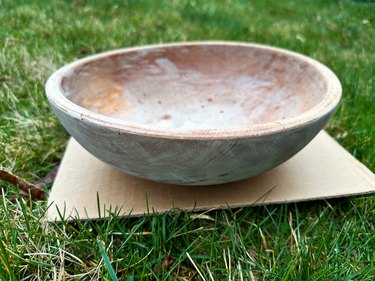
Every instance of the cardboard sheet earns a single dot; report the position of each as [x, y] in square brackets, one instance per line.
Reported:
[323, 169]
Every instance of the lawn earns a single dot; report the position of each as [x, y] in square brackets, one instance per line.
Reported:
[322, 240]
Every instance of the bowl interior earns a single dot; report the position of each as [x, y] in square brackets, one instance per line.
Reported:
[196, 86]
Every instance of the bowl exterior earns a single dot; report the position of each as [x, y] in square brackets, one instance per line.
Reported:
[189, 161]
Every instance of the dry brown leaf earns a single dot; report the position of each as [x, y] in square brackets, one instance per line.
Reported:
[166, 263]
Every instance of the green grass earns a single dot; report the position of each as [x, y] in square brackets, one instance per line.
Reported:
[325, 240]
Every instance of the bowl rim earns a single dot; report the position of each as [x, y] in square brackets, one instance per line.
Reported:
[327, 105]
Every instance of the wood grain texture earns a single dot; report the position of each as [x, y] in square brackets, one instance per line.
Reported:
[187, 161]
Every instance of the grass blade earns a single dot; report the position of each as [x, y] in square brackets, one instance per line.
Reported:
[107, 263]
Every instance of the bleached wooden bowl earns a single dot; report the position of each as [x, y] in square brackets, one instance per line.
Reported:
[194, 113]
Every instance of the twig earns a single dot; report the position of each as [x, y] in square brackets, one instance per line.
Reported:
[49, 178]
[29, 188]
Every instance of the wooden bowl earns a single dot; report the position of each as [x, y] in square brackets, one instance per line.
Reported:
[194, 113]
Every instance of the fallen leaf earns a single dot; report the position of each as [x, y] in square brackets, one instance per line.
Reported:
[166, 263]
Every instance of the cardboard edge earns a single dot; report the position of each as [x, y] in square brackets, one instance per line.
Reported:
[71, 217]
[362, 168]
